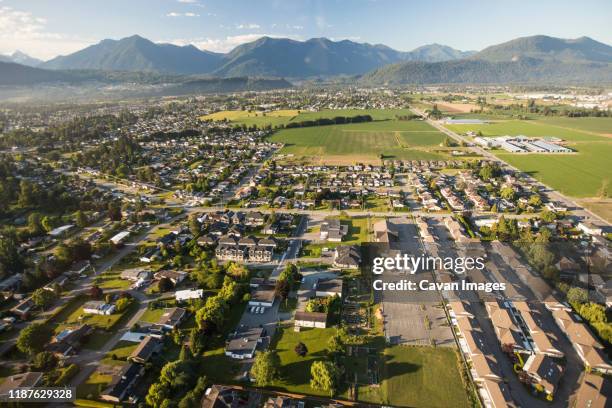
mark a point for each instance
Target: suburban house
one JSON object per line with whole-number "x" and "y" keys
{"x": 134, "y": 275}
{"x": 23, "y": 308}
{"x": 594, "y": 391}
{"x": 147, "y": 347}
{"x": 221, "y": 396}
{"x": 330, "y": 287}
{"x": 65, "y": 342}
{"x": 508, "y": 334}
{"x": 589, "y": 228}
{"x": 263, "y": 295}
{"x": 385, "y": 231}
{"x": 332, "y": 230}
{"x": 120, "y": 238}
{"x": 590, "y": 351}
{"x": 175, "y": 277}
{"x": 23, "y": 380}
{"x": 244, "y": 343}
{"x": 484, "y": 367}
{"x": 98, "y": 307}
{"x": 171, "y": 318}
{"x": 122, "y": 383}
{"x": 347, "y": 257}
{"x": 544, "y": 372}
{"x": 249, "y": 248}
{"x": 310, "y": 319}
{"x": 188, "y": 294}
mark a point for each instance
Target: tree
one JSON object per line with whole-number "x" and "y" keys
{"x": 158, "y": 392}
{"x": 548, "y": 216}
{"x": 301, "y": 349}
{"x": 185, "y": 354}
{"x": 196, "y": 341}
{"x": 45, "y": 361}
{"x": 33, "y": 338}
{"x": 265, "y": 368}
{"x": 282, "y": 289}
{"x": 122, "y": 304}
{"x": 43, "y": 297}
{"x": 237, "y": 271}
{"x": 95, "y": 292}
{"x": 213, "y": 311}
{"x": 336, "y": 345}
{"x": 47, "y": 223}
{"x": 81, "y": 219}
{"x": 577, "y": 296}
{"x": 34, "y": 223}
{"x": 194, "y": 225}
{"x": 507, "y": 193}
{"x": 535, "y": 200}
{"x": 324, "y": 376}
{"x": 114, "y": 211}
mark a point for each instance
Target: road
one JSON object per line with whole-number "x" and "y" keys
{"x": 578, "y": 211}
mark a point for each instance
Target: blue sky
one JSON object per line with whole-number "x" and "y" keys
{"x": 46, "y": 28}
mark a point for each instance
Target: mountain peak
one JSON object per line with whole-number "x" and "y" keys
{"x": 548, "y": 48}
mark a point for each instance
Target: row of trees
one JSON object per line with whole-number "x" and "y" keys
{"x": 338, "y": 120}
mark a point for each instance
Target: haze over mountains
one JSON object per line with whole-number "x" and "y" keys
{"x": 523, "y": 60}
{"x": 266, "y": 56}
{"x": 19, "y": 57}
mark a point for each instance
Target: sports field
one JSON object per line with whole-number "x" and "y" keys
{"x": 578, "y": 175}
{"x": 363, "y": 142}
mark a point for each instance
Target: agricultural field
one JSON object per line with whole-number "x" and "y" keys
{"x": 363, "y": 142}
{"x": 282, "y": 117}
{"x": 577, "y": 175}
{"x": 422, "y": 377}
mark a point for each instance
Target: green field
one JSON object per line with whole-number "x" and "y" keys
{"x": 597, "y": 125}
{"x": 363, "y": 142}
{"x": 284, "y": 116}
{"x": 578, "y": 175}
{"x": 422, "y": 377}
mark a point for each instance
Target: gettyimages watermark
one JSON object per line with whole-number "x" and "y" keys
{"x": 486, "y": 271}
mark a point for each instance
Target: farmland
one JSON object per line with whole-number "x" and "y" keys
{"x": 363, "y": 142}
{"x": 577, "y": 175}
{"x": 285, "y": 116}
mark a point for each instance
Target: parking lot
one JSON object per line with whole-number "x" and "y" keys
{"x": 415, "y": 318}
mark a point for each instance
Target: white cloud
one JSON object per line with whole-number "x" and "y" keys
{"x": 20, "y": 30}
{"x": 225, "y": 44}
{"x": 177, "y": 14}
{"x": 187, "y": 1}
{"x": 250, "y": 26}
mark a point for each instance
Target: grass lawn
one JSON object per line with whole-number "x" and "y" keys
{"x": 422, "y": 377}
{"x": 152, "y": 315}
{"x": 103, "y": 323}
{"x": 363, "y": 142}
{"x": 92, "y": 387}
{"x": 121, "y": 351}
{"x": 112, "y": 280}
{"x": 295, "y": 371}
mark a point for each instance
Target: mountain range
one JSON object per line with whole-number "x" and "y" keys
{"x": 19, "y": 57}
{"x": 265, "y": 56}
{"x": 523, "y": 60}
